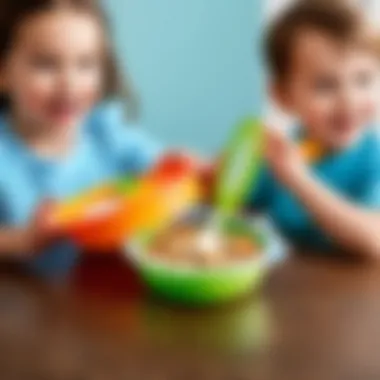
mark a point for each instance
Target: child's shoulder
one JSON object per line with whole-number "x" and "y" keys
{"x": 109, "y": 120}
{"x": 108, "y": 124}
{"x": 7, "y": 142}
{"x": 107, "y": 111}
{"x": 370, "y": 146}
{"x": 367, "y": 154}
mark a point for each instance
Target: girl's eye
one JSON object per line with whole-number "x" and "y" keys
{"x": 325, "y": 85}
{"x": 88, "y": 63}
{"x": 44, "y": 63}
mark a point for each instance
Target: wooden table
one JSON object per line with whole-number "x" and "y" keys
{"x": 315, "y": 319}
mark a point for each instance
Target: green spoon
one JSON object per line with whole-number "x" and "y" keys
{"x": 240, "y": 167}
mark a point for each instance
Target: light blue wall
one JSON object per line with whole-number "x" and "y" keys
{"x": 193, "y": 63}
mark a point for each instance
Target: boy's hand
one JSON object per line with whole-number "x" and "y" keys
{"x": 284, "y": 158}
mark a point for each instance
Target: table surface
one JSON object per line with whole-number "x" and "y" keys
{"x": 314, "y": 319}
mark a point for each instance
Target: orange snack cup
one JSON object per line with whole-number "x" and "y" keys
{"x": 101, "y": 219}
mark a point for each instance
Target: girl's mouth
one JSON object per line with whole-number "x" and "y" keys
{"x": 62, "y": 110}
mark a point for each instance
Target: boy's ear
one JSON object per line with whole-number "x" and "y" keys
{"x": 280, "y": 96}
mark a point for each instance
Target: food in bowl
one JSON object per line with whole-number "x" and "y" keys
{"x": 198, "y": 246}
{"x": 224, "y": 270}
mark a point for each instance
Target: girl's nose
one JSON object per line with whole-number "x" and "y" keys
{"x": 67, "y": 80}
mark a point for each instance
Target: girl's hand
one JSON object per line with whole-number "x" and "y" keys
{"x": 284, "y": 158}
{"x": 38, "y": 234}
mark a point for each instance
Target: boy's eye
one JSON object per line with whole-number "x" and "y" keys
{"x": 325, "y": 84}
{"x": 363, "y": 79}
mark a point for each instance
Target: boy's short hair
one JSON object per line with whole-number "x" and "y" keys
{"x": 339, "y": 20}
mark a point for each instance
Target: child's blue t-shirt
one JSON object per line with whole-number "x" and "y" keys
{"x": 106, "y": 148}
{"x": 353, "y": 173}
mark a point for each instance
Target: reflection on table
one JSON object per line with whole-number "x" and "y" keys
{"x": 313, "y": 319}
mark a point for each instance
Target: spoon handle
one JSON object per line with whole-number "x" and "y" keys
{"x": 240, "y": 166}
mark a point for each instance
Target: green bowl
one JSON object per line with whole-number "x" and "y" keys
{"x": 202, "y": 286}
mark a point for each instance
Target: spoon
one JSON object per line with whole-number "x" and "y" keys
{"x": 237, "y": 175}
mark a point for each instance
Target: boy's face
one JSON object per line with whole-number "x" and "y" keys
{"x": 333, "y": 90}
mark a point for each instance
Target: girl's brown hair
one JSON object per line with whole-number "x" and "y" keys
{"x": 14, "y": 12}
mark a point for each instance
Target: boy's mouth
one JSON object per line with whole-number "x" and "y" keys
{"x": 344, "y": 124}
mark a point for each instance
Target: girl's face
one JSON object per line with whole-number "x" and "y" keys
{"x": 333, "y": 90}
{"x": 54, "y": 71}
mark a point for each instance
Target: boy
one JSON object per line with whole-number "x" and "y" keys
{"x": 325, "y": 71}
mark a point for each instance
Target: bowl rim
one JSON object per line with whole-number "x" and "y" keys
{"x": 134, "y": 252}
{"x": 158, "y": 265}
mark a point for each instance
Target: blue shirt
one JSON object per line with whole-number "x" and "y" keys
{"x": 353, "y": 173}
{"x": 106, "y": 148}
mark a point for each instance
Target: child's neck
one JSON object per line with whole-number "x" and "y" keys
{"x": 45, "y": 141}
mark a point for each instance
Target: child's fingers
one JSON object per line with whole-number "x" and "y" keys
{"x": 273, "y": 143}
{"x": 275, "y": 136}
{"x": 43, "y": 209}
{"x": 40, "y": 229}
{"x": 278, "y": 141}
{"x": 43, "y": 216}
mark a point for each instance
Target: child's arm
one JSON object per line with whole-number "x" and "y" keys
{"x": 15, "y": 242}
{"x": 355, "y": 229}
{"x": 27, "y": 241}
{"x": 131, "y": 148}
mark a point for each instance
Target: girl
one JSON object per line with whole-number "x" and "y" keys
{"x": 56, "y": 65}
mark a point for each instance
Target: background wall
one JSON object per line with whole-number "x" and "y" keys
{"x": 195, "y": 64}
